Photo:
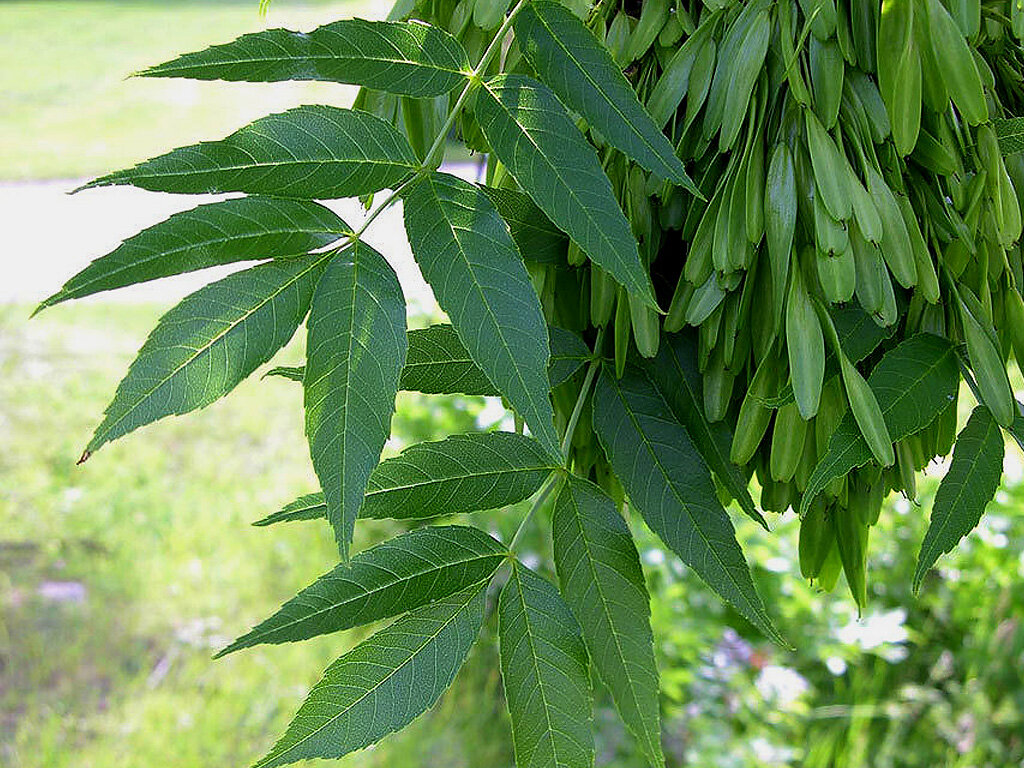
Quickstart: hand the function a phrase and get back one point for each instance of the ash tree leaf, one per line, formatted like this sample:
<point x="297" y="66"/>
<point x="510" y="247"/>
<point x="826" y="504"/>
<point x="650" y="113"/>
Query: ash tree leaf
<point x="463" y="473"/>
<point x="545" y="670"/>
<point x="581" y="72"/>
<point x="534" y="137"/>
<point x="465" y="252"/>
<point x="355" y="351"/>
<point x="669" y="484"/>
<point x="913" y="383"/>
<point x="602" y="581"/>
<point x="1016" y="429"/>
<point x="438" y="363"/>
<point x="965" y="491"/>
<point x="307" y="152"/>
<point x="537" y="238"/>
<point x="241" y="229"/>
<point x="675" y="373"/>
<point x="385" y="682"/>
<point x="406" y="58"/>
<point x="1010" y="132"/>
<point x="309" y="506"/>
<point x="202" y="348"/>
<point x="403" y="573"/>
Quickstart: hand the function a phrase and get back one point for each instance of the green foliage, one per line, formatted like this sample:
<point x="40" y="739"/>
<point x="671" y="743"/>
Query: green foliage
<point x="587" y="221"/>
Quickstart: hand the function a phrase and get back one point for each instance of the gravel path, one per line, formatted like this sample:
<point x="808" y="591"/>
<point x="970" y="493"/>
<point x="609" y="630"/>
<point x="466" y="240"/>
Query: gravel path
<point x="51" y="235"/>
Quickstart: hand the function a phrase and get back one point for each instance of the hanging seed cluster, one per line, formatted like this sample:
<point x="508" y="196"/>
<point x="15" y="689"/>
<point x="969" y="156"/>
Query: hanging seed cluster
<point x="856" y="194"/>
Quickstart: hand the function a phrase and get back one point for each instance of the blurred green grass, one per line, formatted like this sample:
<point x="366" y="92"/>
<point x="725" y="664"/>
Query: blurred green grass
<point x="67" y="109"/>
<point x="151" y="545"/>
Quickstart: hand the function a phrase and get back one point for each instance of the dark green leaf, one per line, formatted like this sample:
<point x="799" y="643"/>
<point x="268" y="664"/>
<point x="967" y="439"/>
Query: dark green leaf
<point x="467" y="255"/>
<point x="201" y="349"/>
<point x="385" y="682"/>
<point x="242" y="229"/>
<point x="967" y="488"/>
<point x="676" y="375"/>
<point x="410" y="570"/>
<point x="1016" y="429"/>
<point x="307" y="152"/>
<point x="546" y="674"/>
<point x="464" y="473"/>
<point x="580" y="70"/>
<point x="602" y="581"/>
<point x="913" y="383"/>
<point x="534" y="137"/>
<point x="439" y="364"/>
<point x="669" y="484"/>
<point x="354" y="355"/>
<point x="536" y="237"/>
<point x="407" y="58"/>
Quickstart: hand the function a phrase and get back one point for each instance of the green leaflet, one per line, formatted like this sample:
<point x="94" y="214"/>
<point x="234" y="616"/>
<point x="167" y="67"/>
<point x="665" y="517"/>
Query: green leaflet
<point x="403" y="573"/>
<point x="964" y="492"/>
<point x="385" y="682"/>
<point x="534" y="137"/>
<point x="674" y="372"/>
<point x="580" y="70"/>
<point x="209" y="342"/>
<point x="307" y="152"/>
<point x="463" y="473"/>
<point x="1010" y="132"/>
<point x="546" y="673"/>
<point x="408" y="58"/>
<point x="602" y="581"/>
<point x="536" y="237"/>
<point x="241" y="229"/>
<point x="438" y="363"/>
<point x="1016" y="430"/>
<point x="355" y="351"/>
<point x="913" y="383"/>
<point x="468" y="257"/>
<point x="670" y="486"/>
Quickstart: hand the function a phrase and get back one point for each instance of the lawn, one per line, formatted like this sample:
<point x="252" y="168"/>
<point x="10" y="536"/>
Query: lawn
<point x="119" y="578"/>
<point x="67" y="109"/>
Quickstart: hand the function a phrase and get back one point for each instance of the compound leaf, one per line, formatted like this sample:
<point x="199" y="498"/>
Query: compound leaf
<point x="403" y="573"/>
<point x="545" y="670"/>
<point x="964" y="492"/>
<point x="466" y="254"/>
<point x="408" y="58"/>
<point x="669" y="484"/>
<point x="602" y="581"/>
<point x="202" y="348"/>
<point x="241" y="229"/>
<point x="307" y="152"/>
<point x="354" y="355"/>
<point x="580" y="70"/>
<point x="385" y="682"/>
<point x="534" y="137"/>
<point x="913" y="383"/>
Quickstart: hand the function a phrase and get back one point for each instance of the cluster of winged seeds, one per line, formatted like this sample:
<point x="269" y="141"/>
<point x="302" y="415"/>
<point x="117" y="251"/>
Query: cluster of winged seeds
<point x="854" y="250"/>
